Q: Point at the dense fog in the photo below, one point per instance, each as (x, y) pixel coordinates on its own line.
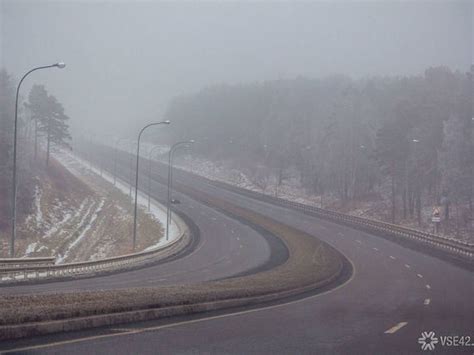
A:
(126, 60)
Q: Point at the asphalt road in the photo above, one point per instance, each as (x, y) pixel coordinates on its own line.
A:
(226, 247)
(394, 295)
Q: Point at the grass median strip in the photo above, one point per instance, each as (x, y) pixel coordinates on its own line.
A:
(311, 264)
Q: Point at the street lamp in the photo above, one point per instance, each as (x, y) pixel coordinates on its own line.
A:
(170, 180)
(59, 65)
(149, 172)
(417, 183)
(136, 179)
(130, 147)
(115, 157)
(130, 174)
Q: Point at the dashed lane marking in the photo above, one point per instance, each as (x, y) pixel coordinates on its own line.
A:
(392, 257)
(396, 328)
(419, 275)
(358, 241)
(407, 266)
(428, 287)
(158, 280)
(375, 249)
(427, 302)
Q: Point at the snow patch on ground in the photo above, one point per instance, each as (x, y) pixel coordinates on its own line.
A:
(77, 166)
(57, 226)
(38, 213)
(30, 249)
(93, 218)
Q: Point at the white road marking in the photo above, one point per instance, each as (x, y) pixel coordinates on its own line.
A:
(396, 328)
(159, 327)
(407, 266)
(152, 281)
(427, 302)
(375, 249)
(428, 287)
(393, 258)
(124, 330)
(358, 241)
(419, 275)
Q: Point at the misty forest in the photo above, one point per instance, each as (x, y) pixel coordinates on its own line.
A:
(409, 139)
(236, 177)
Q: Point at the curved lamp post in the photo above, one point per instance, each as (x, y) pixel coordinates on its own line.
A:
(149, 172)
(136, 179)
(59, 65)
(170, 180)
(117, 141)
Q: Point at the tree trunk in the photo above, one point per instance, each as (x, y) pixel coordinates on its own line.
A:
(48, 143)
(393, 199)
(411, 203)
(405, 191)
(446, 211)
(404, 200)
(418, 207)
(36, 138)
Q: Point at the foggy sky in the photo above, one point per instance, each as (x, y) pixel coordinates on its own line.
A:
(126, 60)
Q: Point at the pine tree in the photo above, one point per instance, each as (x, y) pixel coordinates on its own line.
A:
(7, 99)
(50, 117)
(37, 104)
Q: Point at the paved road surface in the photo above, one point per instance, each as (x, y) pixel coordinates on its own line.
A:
(394, 294)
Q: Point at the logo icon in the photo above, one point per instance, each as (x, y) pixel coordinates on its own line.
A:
(428, 340)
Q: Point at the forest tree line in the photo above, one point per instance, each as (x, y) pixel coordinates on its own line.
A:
(41, 119)
(345, 137)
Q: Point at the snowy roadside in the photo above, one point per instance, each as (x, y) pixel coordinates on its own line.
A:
(377, 207)
(79, 167)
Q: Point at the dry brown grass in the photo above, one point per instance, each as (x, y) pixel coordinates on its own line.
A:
(310, 263)
(110, 230)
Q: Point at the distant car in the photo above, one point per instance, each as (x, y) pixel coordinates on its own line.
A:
(175, 201)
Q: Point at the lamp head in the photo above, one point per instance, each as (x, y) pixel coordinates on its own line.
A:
(60, 65)
(166, 122)
(191, 141)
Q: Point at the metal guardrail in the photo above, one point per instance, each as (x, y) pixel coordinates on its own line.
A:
(457, 248)
(9, 263)
(20, 272)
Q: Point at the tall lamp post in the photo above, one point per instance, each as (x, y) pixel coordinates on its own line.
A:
(170, 180)
(418, 202)
(117, 141)
(136, 179)
(59, 65)
(149, 172)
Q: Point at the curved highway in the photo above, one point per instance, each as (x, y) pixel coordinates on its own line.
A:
(394, 294)
(225, 247)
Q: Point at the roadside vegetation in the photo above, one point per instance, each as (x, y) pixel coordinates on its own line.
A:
(312, 264)
(391, 148)
(74, 216)
(42, 122)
